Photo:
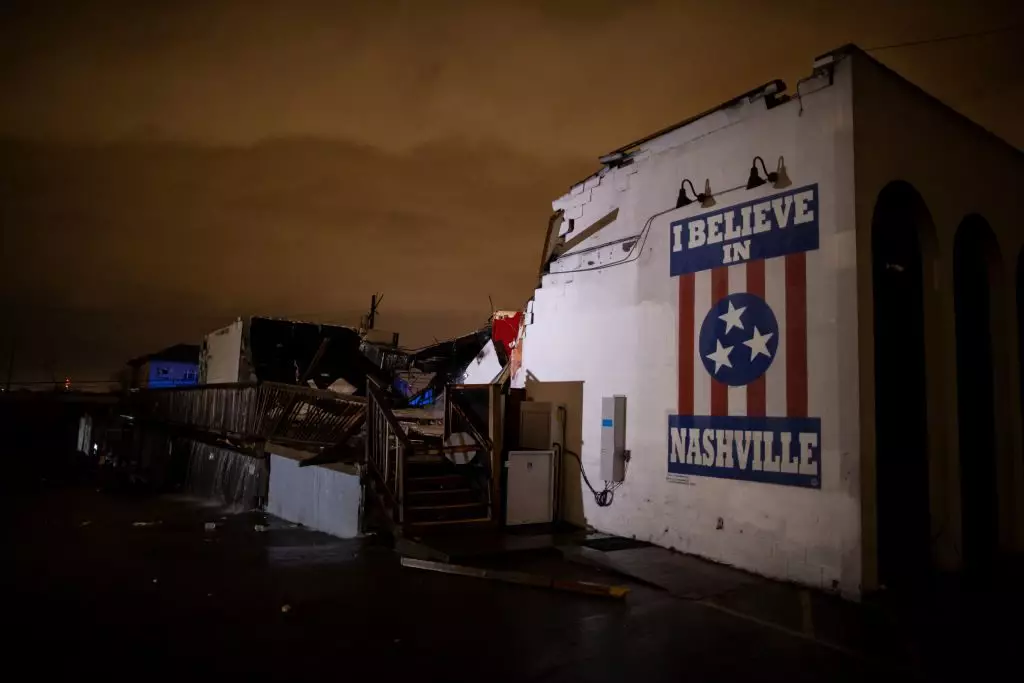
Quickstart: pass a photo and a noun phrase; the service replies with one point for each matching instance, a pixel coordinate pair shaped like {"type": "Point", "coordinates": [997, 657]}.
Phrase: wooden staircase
{"type": "Point", "coordinates": [438, 492]}
{"type": "Point", "coordinates": [417, 487]}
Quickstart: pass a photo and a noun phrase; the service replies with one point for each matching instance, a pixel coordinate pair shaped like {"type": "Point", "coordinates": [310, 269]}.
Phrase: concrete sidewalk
{"type": "Point", "coordinates": [943, 627]}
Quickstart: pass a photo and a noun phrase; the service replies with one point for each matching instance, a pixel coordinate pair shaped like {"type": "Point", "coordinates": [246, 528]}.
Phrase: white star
{"type": "Point", "coordinates": [720, 356]}
{"type": "Point", "coordinates": [758, 344]}
{"type": "Point", "coordinates": [732, 317]}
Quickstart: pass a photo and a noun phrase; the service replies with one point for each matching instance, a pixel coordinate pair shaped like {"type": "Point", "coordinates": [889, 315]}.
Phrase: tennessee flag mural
{"type": "Point", "coordinates": [743, 406]}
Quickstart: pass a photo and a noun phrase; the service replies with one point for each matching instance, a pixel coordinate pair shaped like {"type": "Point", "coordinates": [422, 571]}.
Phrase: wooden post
{"type": "Point", "coordinates": [10, 363]}
{"type": "Point", "coordinates": [496, 429]}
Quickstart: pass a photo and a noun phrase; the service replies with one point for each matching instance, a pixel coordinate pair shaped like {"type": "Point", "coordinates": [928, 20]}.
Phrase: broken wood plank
{"type": "Point", "coordinates": [521, 578]}
{"type": "Point", "coordinates": [585, 233]}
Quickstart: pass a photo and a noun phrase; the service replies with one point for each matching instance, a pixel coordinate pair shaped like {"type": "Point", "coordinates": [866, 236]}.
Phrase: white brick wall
{"type": "Point", "coordinates": [616, 329]}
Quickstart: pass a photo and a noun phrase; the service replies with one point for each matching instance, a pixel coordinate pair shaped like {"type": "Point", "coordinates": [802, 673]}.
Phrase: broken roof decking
{"type": "Point", "coordinates": [464, 347]}
{"type": "Point", "coordinates": [286, 351]}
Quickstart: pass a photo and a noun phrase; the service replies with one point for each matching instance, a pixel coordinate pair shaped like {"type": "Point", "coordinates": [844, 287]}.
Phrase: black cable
{"type": "Point", "coordinates": [942, 39]}
{"type": "Point", "coordinates": [605, 496]}
{"type": "Point", "coordinates": [641, 238]}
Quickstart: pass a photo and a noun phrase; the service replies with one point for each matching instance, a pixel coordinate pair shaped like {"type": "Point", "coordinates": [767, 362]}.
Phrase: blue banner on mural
{"type": "Point", "coordinates": [764, 228]}
{"type": "Point", "coordinates": [773, 450]}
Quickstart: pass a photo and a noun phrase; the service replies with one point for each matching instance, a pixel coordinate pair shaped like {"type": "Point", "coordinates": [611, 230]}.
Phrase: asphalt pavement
{"type": "Point", "coordinates": [123, 585]}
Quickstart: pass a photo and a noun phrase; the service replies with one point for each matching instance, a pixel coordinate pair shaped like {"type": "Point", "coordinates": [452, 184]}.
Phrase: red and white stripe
{"type": "Point", "coordinates": [782, 390]}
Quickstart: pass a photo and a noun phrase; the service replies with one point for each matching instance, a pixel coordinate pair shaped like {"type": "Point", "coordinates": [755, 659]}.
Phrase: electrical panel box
{"type": "Point", "coordinates": [530, 487]}
{"type": "Point", "coordinates": [613, 438]}
{"type": "Point", "coordinates": [536, 428]}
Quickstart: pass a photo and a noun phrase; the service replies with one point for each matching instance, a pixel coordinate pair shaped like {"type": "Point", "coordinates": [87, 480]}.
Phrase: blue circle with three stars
{"type": "Point", "coordinates": [738, 339]}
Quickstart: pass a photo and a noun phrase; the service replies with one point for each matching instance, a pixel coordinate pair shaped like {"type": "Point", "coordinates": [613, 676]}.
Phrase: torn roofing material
{"type": "Point", "coordinates": [447, 361]}
{"type": "Point", "coordinates": [445, 355]}
{"type": "Point", "coordinates": [289, 352]}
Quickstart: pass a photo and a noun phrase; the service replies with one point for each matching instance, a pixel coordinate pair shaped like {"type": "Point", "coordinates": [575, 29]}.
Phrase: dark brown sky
{"type": "Point", "coordinates": [169, 165]}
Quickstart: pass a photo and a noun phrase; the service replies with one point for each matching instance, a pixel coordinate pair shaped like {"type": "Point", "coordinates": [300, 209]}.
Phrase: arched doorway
{"type": "Point", "coordinates": [976, 275]}
{"type": "Point", "coordinates": [901, 228]}
{"type": "Point", "coordinates": [1020, 328]}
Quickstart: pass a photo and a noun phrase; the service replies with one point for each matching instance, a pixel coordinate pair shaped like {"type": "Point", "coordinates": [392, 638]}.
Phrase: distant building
{"type": "Point", "coordinates": [819, 353]}
{"type": "Point", "coordinates": [175, 366]}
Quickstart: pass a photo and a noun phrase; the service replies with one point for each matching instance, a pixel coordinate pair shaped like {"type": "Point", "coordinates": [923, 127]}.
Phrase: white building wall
{"type": "Point", "coordinates": [615, 327]}
{"type": "Point", "coordinates": [222, 351]}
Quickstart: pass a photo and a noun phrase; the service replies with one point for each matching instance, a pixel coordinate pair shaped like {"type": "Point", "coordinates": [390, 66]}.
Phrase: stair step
{"type": "Point", "coordinates": [426, 460]}
{"type": "Point", "coordinates": [429, 468]}
{"type": "Point", "coordinates": [450, 496]}
{"type": "Point", "coordinates": [467, 521]}
{"type": "Point", "coordinates": [434, 483]}
{"type": "Point", "coordinates": [444, 513]}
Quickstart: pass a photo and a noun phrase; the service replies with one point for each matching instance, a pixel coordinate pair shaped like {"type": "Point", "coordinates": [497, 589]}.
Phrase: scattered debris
{"type": "Point", "coordinates": [209, 595]}
{"type": "Point", "coordinates": [286, 608]}
{"type": "Point", "coordinates": [154, 580]}
{"type": "Point", "coordinates": [522, 578]}
{"type": "Point", "coordinates": [145, 523]}
{"type": "Point", "coordinates": [260, 527]}
{"type": "Point", "coordinates": [210, 526]}
{"type": "Point", "coordinates": [86, 523]}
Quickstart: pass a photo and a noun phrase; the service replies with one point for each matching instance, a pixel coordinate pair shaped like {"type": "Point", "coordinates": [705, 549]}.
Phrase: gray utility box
{"type": "Point", "coordinates": [613, 438]}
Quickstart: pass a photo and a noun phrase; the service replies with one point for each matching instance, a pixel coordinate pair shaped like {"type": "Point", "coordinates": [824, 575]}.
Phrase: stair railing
{"type": "Point", "coordinates": [387, 448]}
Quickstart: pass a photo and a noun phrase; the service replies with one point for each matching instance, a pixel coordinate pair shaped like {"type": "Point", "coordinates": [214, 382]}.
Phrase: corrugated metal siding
{"type": "Point", "coordinates": [319, 498]}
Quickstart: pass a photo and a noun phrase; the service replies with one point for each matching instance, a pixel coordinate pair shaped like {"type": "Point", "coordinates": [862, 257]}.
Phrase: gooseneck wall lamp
{"type": "Point", "coordinates": [705, 198]}
{"type": "Point", "coordinates": [777, 178]}
{"type": "Point", "coordinates": [682, 200]}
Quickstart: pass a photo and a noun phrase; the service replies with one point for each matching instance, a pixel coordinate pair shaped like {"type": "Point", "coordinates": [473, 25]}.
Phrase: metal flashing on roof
{"type": "Point", "coordinates": [830, 56]}
{"type": "Point", "coordinates": [823, 60]}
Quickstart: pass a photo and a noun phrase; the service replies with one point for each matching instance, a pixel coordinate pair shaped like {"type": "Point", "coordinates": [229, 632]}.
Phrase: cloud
{"type": "Point", "coordinates": [563, 79]}
{"type": "Point", "coordinates": [142, 234]}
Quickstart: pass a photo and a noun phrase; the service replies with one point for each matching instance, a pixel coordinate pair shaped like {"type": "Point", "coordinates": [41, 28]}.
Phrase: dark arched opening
{"type": "Point", "coordinates": [900, 226]}
{"type": "Point", "coordinates": [1020, 330]}
{"type": "Point", "coordinates": [975, 275]}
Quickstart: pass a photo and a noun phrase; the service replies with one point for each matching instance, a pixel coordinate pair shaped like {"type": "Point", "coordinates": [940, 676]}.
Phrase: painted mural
{"type": "Point", "coordinates": [743, 408]}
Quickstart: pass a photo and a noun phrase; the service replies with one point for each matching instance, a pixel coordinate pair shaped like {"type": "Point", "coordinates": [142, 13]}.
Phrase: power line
{"type": "Point", "coordinates": [943, 39]}
{"type": "Point", "coordinates": [174, 315]}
